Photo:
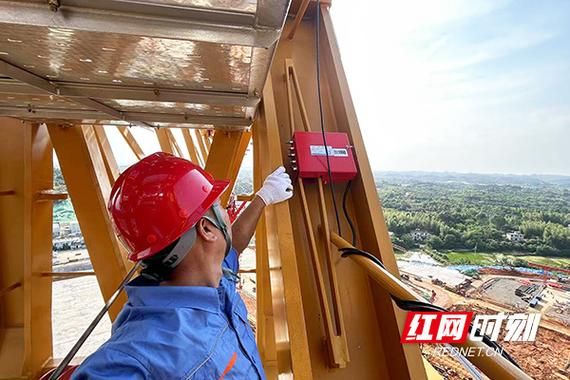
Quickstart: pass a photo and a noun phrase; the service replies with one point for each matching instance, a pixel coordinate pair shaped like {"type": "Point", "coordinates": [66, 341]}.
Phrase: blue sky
{"type": "Point", "coordinates": [469, 86]}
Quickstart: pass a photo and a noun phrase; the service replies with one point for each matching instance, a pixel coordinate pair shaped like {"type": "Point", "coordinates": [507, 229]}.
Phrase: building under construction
{"type": "Point", "coordinates": [226, 73]}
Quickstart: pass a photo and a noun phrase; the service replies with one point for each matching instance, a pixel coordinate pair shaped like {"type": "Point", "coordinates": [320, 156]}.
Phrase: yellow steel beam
{"type": "Point", "coordinates": [50, 195]}
{"type": "Point", "coordinates": [131, 141]}
{"type": "Point", "coordinates": [265, 327]}
{"type": "Point", "coordinates": [340, 349]}
{"type": "Point", "coordinates": [9, 288]}
{"type": "Point", "coordinates": [12, 145]}
{"type": "Point", "coordinates": [26, 165]}
{"type": "Point", "coordinates": [201, 145]}
{"type": "Point", "coordinates": [68, 274]}
{"type": "Point", "coordinates": [331, 307]}
{"type": "Point", "coordinates": [164, 140]}
{"type": "Point", "coordinates": [494, 366]}
{"type": "Point", "coordinates": [194, 157]}
{"type": "Point", "coordinates": [335, 332]}
{"type": "Point", "coordinates": [111, 166]}
{"type": "Point", "coordinates": [372, 333]}
{"type": "Point", "coordinates": [372, 226]}
{"type": "Point", "coordinates": [298, 18]}
{"type": "Point", "coordinates": [12, 219]}
{"type": "Point", "coordinates": [208, 137]}
{"type": "Point", "coordinates": [226, 156]}
{"type": "Point", "coordinates": [291, 331]}
{"type": "Point", "coordinates": [291, 76]}
{"type": "Point", "coordinates": [84, 173]}
{"type": "Point", "coordinates": [431, 372]}
{"type": "Point", "coordinates": [174, 143]}
{"type": "Point", "coordinates": [37, 290]}
{"type": "Point", "coordinates": [245, 197]}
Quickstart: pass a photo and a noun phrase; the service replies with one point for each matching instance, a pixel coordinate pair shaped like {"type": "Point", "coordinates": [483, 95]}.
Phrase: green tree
{"type": "Point", "coordinates": [532, 228]}
{"type": "Point", "coordinates": [435, 242]}
{"type": "Point", "coordinates": [499, 221]}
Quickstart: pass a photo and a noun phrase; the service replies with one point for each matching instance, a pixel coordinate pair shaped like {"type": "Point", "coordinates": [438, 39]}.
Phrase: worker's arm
{"type": "Point", "coordinates": [276, 188]}
{"type": "Point", "coordinates": [244, 226]}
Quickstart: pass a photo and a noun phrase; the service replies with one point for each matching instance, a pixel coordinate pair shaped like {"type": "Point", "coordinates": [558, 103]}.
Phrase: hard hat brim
{"type": "Point", "coordinates": [218, 188]}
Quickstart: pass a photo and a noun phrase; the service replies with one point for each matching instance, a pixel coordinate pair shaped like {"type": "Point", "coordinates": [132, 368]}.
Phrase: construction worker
{"type": "Point", "coordinates": [184, 318]}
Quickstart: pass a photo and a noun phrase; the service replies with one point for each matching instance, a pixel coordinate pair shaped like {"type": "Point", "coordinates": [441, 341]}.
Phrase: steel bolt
{"type": "Point", "coordinates": [54, 5]}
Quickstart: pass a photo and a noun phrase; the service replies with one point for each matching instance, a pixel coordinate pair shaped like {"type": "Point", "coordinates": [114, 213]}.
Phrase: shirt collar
{"type": "Point", "coordinates": [144, 292]}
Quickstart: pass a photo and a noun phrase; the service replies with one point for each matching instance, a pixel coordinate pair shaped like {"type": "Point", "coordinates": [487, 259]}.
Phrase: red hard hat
{"type": "Point", "coordinates": [158, 199]}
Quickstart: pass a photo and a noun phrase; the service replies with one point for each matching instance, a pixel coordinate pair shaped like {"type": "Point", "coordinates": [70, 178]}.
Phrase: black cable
{"type": "Point", "coordinates": [345, 252]}
{"type": "Point", "coordinates": [344, 209]}
{"type": "Point", "coordinates": [321, 115]}
{"type": "Point", "coordinates": [411, 305]}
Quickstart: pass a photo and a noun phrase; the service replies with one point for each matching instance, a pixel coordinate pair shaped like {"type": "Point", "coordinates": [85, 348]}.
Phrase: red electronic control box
{"type": "Point", "coordinates": [309, 157]}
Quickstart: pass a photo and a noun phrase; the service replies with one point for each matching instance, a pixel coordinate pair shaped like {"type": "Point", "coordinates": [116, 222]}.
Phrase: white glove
{"type": "Point", "coordinates": [276, 188]}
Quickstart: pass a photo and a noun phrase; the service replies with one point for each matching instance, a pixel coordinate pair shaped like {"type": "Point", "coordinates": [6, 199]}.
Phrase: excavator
{"type": "Point", "coordinates": [224, 75]}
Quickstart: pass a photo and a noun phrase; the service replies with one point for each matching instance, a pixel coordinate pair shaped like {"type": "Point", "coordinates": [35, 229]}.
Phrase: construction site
{"type": "Point", "coordinates": [213, 82]}
{"type": "Point", "coordinates": [492, 291]}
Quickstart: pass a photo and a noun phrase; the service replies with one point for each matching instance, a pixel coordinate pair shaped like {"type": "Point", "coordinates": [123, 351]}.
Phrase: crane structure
{"type": "Point", "coordinates": [227, 74]}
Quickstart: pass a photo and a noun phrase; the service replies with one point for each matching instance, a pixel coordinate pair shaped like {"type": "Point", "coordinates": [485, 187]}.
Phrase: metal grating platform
{"type": "Point", "coordinates": [150, 63]}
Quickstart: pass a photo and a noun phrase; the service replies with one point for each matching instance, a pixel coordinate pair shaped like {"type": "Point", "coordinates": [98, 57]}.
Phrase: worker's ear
{"type": "Point", "coordinates": [206, 230]}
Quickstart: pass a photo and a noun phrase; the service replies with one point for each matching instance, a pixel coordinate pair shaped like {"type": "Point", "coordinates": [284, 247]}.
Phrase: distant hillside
{"type": "Point", "coordinates": [472, 178]}
{"type": "Point", "coordinates": [535, 180]}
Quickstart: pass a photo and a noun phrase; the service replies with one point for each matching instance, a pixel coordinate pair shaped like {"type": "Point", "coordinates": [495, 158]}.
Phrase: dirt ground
{"type": "Point", "coordinates": [446, 365]}
{"type": "Point", "coordinates": [502, 291]}
{"type": "Point", "coordinates": [545, 359]}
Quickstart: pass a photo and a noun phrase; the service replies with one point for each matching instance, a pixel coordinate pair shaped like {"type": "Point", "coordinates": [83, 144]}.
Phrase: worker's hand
{"type": "Point", "coordinates": [276, 188]}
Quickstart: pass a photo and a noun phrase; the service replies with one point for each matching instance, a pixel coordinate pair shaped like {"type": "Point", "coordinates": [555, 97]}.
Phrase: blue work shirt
{"type": "Point", "coordinates": [179, 332]}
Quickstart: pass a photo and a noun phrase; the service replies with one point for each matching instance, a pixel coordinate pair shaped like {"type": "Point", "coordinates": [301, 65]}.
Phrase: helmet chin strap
{"type": "Point", "coordinates": [184, 245]}
{"type": "Point", "coordinates": [221, 225]}
{"type": "Point", "coordinates": [157, 270]}
{"type": "Point", "coordinates": [180, 249]}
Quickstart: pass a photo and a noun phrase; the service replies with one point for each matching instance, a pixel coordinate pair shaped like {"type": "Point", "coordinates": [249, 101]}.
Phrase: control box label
{"type": "Point", "coordinates": [319, 150]}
